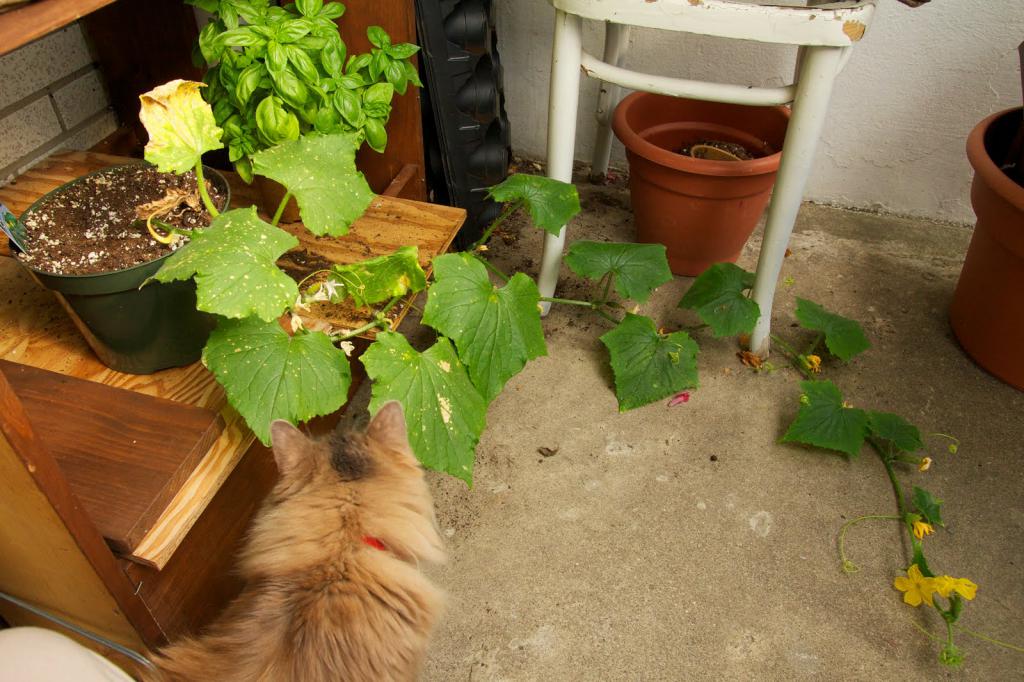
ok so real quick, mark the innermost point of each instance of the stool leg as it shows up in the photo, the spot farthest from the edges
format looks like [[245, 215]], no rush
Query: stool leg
[[616, 37], [818, 70], [563, 104]]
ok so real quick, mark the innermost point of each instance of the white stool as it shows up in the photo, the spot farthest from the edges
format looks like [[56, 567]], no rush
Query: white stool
[[824, 32]]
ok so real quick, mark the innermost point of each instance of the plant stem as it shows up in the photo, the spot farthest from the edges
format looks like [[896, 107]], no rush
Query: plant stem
[[990, 640], [280, 209], [509, 210], [356, 332], [897, 489], [378, 321], [607, 287], [927, 634], [593, 305], [391, 304], [849, 566], [569, 301], [817, 340], [492, 267], [203, 194], [794, 357], [310, 276]]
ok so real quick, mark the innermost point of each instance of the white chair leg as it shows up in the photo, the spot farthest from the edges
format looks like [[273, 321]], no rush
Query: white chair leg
[[818, 70], [563, 104], [616, 38]]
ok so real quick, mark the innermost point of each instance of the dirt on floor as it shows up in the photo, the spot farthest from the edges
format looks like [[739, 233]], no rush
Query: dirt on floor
[[686, 542]]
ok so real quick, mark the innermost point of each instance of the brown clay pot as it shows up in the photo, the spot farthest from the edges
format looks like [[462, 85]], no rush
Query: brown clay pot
[[702, 211], [271, 193], [987, 312]]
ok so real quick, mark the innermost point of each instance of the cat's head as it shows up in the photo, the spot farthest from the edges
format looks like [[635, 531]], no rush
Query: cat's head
[[372, 477]]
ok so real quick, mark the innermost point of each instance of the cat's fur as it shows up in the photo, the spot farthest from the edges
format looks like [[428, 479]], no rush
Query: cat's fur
[[320, 604]]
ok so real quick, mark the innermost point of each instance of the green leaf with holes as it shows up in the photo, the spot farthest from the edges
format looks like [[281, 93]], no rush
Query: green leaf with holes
[[377, 279], [843, 336], [269, 375], [551, 203], [895, 429], [638, 269], [444, 412], [649, 366], [320, 171], [825, 422], [234, 265], [496, 329], [719, 299], [927, 506]]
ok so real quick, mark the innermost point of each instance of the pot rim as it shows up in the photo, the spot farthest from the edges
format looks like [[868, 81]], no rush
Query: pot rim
[[211, 172], [636, 144], [986, 169]]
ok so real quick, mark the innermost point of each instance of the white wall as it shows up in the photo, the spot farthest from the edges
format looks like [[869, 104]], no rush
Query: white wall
[[915, 86]]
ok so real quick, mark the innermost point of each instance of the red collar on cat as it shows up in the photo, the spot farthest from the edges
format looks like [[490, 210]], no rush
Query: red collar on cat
[[375, 543]]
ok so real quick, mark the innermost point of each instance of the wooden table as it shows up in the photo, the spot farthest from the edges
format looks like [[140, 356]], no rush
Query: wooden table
[[170, 551]]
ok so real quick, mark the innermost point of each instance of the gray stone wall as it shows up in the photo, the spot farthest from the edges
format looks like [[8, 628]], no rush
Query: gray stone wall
[[52, 98]]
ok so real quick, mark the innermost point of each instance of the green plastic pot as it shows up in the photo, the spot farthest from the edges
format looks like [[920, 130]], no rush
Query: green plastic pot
[[132, 329]]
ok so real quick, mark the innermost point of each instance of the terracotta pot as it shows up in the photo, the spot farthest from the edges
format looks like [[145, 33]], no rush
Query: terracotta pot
[[987, 312], [702, 211], [271, 193]]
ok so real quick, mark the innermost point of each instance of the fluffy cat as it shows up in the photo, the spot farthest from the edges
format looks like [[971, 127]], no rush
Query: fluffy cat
[[332, 591]]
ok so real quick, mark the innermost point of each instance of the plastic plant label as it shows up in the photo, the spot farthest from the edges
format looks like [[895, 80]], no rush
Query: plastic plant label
[[12, 227]]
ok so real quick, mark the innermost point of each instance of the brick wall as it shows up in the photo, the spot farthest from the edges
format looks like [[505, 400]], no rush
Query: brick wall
[[51, 98]]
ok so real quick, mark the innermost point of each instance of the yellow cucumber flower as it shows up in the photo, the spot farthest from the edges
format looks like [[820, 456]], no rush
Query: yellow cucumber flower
[[916, 588], [925, 464], [812, 363], [946, 585], [921, 528]]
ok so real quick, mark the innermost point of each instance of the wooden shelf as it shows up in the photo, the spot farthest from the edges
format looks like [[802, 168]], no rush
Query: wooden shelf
[[36, 19], [35, 331]]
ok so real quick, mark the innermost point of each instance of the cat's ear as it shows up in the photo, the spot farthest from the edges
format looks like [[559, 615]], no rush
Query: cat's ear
[[388, 428], [289, 445]]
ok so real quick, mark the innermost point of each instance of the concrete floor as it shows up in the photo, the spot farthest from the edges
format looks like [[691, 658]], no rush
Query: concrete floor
[[685, 542]]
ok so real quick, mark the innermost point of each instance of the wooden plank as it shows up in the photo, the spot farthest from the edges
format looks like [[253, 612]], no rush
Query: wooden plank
[[125, 455], [33, 21], [35, 331], [52, 555], [405, 127]]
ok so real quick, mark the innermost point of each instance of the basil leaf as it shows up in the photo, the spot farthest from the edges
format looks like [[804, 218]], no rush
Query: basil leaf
[[378, 37], [303, 64], [241, 37], [248, 82], [274, 123], [359, 63], [395, 74], [348, 105], [376, 135], [402, 50], [288, 85], [277, 57], [308, 8], [332, 57]]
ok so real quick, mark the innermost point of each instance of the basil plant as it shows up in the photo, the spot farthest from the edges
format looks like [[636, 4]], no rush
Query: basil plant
[[276, 73]]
